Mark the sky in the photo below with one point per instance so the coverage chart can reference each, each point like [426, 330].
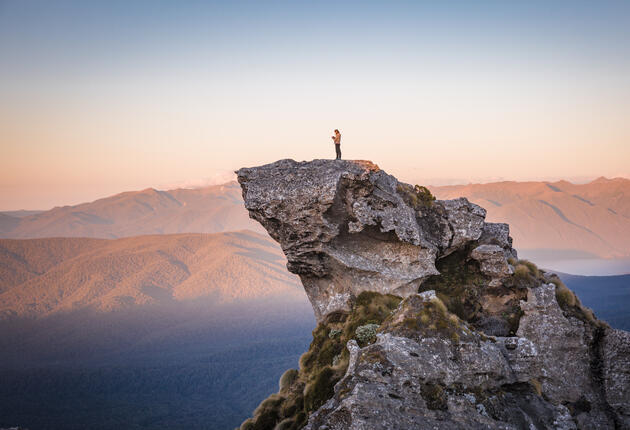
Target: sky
[102, 97]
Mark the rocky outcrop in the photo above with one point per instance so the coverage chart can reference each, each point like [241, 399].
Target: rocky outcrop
[426, 318]
[615, 373]
[348, 227]
[493, 262]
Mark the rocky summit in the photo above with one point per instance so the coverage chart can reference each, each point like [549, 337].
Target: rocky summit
[426, 317]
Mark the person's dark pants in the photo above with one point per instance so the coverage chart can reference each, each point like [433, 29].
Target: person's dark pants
[338, 150]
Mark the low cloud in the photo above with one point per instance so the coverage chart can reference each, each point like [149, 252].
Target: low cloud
[218, 178]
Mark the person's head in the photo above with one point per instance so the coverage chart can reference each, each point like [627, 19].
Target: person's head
[336, 131]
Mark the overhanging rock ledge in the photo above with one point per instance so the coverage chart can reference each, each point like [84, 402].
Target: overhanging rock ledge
[348, 227]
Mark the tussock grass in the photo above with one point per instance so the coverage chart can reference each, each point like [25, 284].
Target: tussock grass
[536, 385]
[322, 366]
[287, 379]
[417, 197]
[571, 305]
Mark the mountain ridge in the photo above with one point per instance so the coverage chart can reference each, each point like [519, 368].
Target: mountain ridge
[39, 277]
[133, 213]
[591, 218]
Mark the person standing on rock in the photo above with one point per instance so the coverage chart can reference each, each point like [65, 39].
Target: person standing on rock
[337, 140]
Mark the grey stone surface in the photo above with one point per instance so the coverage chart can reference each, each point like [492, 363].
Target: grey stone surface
[493, 262]
[496, 233]
[432, 382]
[616, 373]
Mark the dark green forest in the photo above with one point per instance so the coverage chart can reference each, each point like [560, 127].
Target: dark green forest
[175, 368]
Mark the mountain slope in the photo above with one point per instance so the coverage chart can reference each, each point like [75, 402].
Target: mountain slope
[203, 210]
[8, 222]
[592, 218]
[22, 260]
[44, 276]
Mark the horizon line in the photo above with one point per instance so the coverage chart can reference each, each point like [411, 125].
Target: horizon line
[168, 188]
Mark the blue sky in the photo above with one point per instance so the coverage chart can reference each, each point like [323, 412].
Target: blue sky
[100, 97]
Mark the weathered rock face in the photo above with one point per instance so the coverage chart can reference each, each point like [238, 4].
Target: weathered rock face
[467, 336]
[347, 227]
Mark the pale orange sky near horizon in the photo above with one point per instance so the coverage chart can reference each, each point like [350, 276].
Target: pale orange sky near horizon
[467, 98]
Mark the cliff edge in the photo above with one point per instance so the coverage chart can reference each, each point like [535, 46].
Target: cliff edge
[426, 318]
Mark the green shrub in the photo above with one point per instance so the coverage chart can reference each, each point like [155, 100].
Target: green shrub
[320, 390]
[322, 366]
[440, 306]
[334, 333]
[366, 334]
[533, 269]
[418, 197]
[287, 379]
[434, 395]
[424, 319]
[424, 195]
[248, 424]
[521, 271]
[267, 414]
[286, 424]
[569, 302]
[458, 285]
[465, 292]
[565, 297]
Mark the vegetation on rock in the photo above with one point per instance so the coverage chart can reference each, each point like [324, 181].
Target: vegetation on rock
[571, 305]
[366, 334]
[417, 197]
[420, 318]
[465, 291]
[323, 365]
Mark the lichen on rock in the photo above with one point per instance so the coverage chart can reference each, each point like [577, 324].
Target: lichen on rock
[426, 317]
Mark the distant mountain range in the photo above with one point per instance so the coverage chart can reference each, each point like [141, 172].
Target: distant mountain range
[203, 210]
[39, 277]
[580, 220]
[583, 220]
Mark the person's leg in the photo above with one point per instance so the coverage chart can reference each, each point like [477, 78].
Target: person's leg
[338, 150]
